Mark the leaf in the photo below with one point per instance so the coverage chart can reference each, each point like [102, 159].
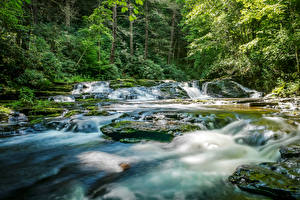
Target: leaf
[136, 11]
[124, 9]
[132, 18]
[139, 2]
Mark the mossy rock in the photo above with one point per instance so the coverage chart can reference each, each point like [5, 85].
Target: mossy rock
[133, 130]
[4, 113]
[97, 113]
[50, 112]
[72, 113]
[225, 88]
[127, 83]
[279, 180]
[260, 180]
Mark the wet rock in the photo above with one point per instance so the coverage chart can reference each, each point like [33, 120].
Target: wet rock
[57, 124]
[227, 88]
[82, 125]
[290, 151]
[263, 104]
[171, 90]
[17, 117]
[260, 180]
[61, 98]
[279, 180]
[160, 131]
[124, 166]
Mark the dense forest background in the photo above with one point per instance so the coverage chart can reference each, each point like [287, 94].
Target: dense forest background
[255, 42]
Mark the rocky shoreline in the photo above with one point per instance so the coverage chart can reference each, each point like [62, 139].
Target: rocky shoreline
[278, 180]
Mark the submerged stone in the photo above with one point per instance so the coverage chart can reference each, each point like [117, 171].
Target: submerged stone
[124, 130]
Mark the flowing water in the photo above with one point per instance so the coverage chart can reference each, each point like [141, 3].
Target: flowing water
[82, 165]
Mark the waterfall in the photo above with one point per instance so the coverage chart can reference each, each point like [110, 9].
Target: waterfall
[138, 93]
[92, 87]
[164, 90]
[204, 88]
[192, 89]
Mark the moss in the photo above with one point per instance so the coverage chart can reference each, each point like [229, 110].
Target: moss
[97, 113]
[4, 113]
[126, 83]
[72, 113]
[47, 112]
[36, 121]
[5, 110]
[49, 93]
[147, 82]
[121, 123]
[188, 128]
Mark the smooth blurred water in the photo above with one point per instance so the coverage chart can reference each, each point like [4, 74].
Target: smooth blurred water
[68, 165]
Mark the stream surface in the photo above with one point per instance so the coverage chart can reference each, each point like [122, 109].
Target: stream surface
[57, 164]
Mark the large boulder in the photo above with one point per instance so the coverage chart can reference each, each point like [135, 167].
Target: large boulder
[226, 89]
[127, 131]
[279, 180]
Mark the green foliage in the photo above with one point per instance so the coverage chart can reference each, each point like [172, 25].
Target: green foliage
[33, 78]
[172, 72]
[26, 96]
[287, 89]
[108, 72]
[251, 41]
[143, 69]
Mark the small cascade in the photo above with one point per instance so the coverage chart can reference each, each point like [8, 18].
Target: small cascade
[253, 93]
[204, 88]
[192, 89]
[164, 90]
[92, 87]
[61, 98]
[134, 93]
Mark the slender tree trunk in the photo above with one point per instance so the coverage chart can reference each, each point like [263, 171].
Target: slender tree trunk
[131, 31]
[114, 30]
[68, 13]
[146, 30]
[172, 37]
[297, 60]
[174, 49]
[99, 51]
[34, 11]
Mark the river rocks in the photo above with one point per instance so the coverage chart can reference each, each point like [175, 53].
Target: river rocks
[82, 125]
[279, 180]
[290, 151]
[138, 130]
[226, 88]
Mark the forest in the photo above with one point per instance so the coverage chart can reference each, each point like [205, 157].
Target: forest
[254, 42]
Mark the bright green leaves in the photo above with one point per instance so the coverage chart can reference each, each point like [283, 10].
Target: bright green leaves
[124, 9]
[139, 2]
[132, 17]
[260, 9]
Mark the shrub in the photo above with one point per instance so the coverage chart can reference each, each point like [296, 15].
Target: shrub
[26, 96]
[108, 72]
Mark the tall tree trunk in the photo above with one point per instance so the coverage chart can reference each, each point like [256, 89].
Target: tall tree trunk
[146, 30]
[99, 42]
[99, 51]
[68, 13]
[34, 11]
[131, 31]
[172, 37]
[297, 59]
[114, 30]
